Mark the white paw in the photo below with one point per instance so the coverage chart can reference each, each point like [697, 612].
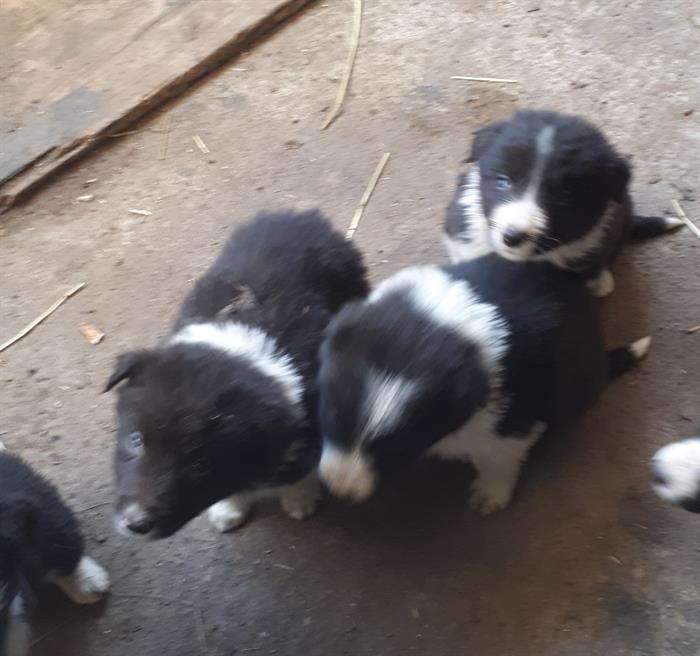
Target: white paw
[300, 501]
[488, 497]
[603, 285]
[87, 585]
[2, 447]
[227, 515]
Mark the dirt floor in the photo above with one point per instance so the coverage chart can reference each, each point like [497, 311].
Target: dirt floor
[586, 562]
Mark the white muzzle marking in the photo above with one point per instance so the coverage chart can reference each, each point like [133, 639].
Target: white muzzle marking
[347, 474]
[523, 216]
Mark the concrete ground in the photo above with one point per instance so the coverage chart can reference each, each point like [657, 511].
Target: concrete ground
[586, 562]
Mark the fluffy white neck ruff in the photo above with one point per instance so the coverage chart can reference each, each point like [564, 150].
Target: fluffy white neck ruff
[252, 344]
[451, 303]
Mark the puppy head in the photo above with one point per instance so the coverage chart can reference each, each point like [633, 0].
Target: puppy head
[676, 473]
[546, 180]
[393, 382]
[194, 425]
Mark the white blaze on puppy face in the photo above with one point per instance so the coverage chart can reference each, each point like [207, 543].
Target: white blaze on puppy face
[347, 474]
[524, 216]
[676, 470]
[385, 400]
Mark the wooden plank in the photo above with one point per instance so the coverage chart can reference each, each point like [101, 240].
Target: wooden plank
[78, 70]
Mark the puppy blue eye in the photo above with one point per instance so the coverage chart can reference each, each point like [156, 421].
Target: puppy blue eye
[136, 440]
[503, 182]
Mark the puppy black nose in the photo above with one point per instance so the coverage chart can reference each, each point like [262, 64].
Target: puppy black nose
[657, 476]
[137, 520]
[513, 237]
[141, 525]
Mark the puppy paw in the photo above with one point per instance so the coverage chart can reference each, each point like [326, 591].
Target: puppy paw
[603, 285]
[300, 500]
[227, 515]
[490, 496]
[87, 584]
[2, 447]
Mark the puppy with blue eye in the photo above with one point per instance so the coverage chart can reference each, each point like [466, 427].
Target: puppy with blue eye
[223, 411]
[547, 187]
[470, 362]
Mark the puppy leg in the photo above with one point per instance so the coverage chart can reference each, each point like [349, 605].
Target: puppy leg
[229, 513]
[17, 638]
[603, 284]
[299, 500]
[87, 584]
[497, 461]
[645, 227]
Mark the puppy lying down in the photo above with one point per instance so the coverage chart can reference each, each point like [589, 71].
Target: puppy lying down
[223, 410]
[469, 362]
[547, 187]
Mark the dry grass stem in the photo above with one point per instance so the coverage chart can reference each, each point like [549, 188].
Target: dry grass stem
[42, 317]
[354, 224]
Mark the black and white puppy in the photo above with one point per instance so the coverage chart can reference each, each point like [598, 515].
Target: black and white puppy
[676, 473]
[223, 411]
[39, 541]
[469, 362]
[547, 187]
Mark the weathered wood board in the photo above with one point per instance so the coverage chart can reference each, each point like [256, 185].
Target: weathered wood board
[75, 71]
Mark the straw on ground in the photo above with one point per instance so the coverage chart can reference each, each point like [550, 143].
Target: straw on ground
[345, 82]
[354, 224]
[683, 217]
[42, 317]
[482, 79]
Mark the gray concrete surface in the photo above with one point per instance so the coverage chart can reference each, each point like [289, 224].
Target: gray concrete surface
[586, 562]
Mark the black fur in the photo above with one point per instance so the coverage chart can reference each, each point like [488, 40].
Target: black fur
[196, 424]
[39, 536]
[391, 337]
[553, 370]
[582, 175]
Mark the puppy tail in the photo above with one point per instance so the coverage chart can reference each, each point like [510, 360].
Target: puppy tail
[646, 227]
[624, 358]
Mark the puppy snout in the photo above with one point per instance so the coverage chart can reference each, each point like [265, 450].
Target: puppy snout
[513, 237]
[347, 475]
[657, 474]
[135, 519]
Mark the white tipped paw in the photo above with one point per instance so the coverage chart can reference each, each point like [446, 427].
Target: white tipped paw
[603, 285]
[87, 585]
[300, 500]
[227, 515]
[487, 498]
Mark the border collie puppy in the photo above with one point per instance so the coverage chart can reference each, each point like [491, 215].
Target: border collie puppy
[468, 362]
[547, 187]
[676, 473]
[223, 411]
[39, 541]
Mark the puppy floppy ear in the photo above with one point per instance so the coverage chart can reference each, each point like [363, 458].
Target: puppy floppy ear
[618, 173]
[483, 139]
[127, 365]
